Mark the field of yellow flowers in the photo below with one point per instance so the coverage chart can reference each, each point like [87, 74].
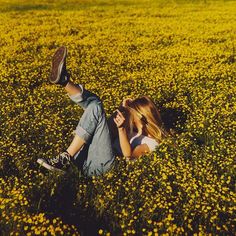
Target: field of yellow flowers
[180, 53]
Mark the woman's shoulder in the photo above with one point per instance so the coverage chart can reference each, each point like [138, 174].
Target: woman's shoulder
[143, 139]
[151, 142]
[141, 136]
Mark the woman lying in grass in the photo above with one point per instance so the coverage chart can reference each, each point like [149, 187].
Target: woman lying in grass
[134, 129]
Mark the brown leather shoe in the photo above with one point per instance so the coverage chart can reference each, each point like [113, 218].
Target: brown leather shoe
[59, 74]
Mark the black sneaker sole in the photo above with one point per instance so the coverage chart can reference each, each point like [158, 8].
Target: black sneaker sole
[43, 163]
[57, 64]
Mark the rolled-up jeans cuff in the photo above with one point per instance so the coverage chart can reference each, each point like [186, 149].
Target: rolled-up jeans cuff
[78, 97]
[82, 133]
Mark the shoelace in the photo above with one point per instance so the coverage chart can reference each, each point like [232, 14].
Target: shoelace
[64, 158]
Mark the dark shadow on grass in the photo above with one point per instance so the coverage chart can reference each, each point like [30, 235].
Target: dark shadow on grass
[59, 196]
[8, 167]
[25, 7]
[173, 119]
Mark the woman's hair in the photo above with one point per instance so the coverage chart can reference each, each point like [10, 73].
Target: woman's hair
[149, 115]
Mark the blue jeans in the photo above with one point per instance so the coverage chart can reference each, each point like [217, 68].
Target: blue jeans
[96, 156]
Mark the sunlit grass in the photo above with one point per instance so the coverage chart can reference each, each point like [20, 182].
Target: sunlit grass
[182, 54]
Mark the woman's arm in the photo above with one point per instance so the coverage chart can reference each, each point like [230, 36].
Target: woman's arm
[112, 127]
[124, 142]
[138, 151]
[110, 121]
[122, 133]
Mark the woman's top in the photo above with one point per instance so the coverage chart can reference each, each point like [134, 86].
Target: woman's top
[136, 139]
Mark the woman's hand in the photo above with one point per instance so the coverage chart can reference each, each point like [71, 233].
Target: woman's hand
[119, 119]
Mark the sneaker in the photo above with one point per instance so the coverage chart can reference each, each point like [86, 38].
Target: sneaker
[59, 74]
[58, 163]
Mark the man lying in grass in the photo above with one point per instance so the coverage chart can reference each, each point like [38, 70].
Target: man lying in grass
[133, 130]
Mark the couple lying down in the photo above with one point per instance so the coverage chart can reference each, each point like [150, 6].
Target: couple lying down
[133, 130]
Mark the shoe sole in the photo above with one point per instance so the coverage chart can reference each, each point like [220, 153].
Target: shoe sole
[47, 166]
[57, 64]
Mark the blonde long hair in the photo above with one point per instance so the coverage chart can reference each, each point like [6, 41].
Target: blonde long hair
[150, 117]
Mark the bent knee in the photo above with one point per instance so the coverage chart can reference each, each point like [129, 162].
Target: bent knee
[95, 107]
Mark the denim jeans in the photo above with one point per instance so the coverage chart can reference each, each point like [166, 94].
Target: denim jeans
[96, 156]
